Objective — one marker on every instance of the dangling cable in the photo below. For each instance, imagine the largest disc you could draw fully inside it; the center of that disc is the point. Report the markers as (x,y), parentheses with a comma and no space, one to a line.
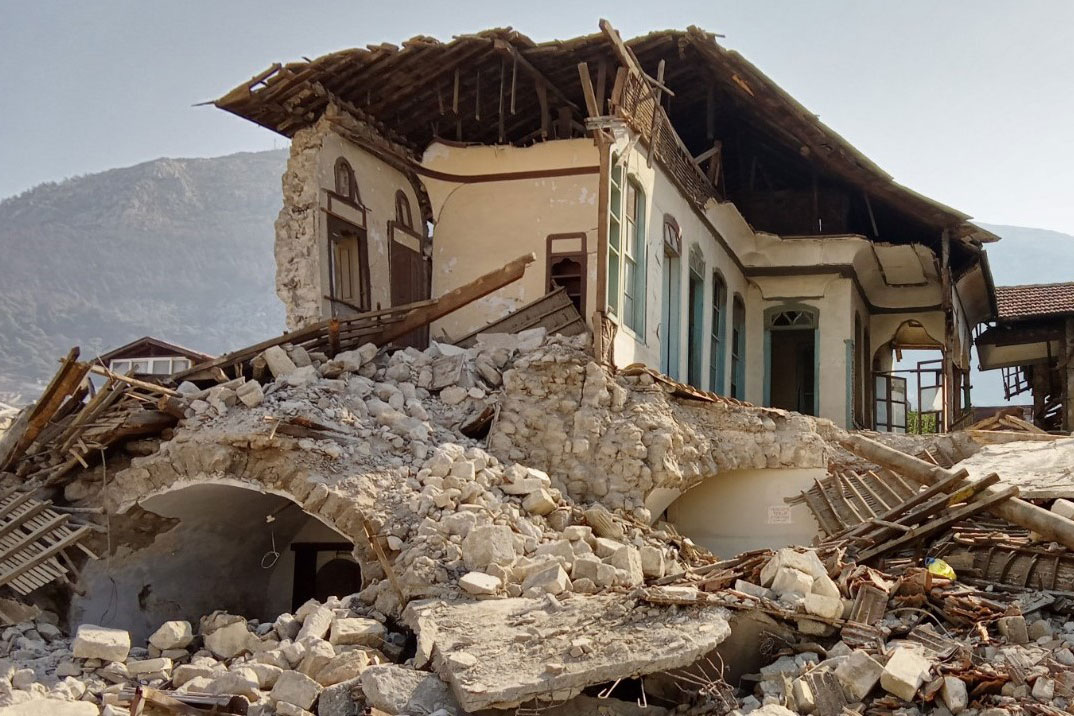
(272,556)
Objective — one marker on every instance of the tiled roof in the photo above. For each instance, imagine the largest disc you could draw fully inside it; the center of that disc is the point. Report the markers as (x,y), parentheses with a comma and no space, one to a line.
(1036,299)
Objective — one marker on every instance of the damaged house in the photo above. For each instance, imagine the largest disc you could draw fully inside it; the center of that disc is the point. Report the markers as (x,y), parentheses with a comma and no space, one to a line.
(699,219)
(576,334)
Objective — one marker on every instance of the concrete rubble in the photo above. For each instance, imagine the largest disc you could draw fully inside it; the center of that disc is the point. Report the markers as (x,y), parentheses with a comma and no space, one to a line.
(511,565)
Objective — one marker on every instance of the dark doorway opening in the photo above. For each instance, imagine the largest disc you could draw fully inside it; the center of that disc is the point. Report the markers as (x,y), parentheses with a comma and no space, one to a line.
(793,366)
(322,570)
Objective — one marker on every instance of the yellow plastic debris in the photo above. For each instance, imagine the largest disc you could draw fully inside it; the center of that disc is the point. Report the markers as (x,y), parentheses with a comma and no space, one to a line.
(940,568)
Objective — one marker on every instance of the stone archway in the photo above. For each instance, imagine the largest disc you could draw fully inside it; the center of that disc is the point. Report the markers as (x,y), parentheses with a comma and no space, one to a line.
(234,513)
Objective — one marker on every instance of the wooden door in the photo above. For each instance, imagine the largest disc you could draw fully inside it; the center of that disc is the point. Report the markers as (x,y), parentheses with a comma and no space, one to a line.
(409,278)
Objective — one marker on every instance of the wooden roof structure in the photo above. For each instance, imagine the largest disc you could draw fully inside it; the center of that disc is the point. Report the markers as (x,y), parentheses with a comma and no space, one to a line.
(498,86)
(149,347)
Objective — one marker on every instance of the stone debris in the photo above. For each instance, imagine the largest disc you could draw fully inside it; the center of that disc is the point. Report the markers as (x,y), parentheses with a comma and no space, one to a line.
(511,561)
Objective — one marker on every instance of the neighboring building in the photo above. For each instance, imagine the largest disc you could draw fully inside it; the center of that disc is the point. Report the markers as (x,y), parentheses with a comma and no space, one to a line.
(150,357)
(1032,341)
(702,220)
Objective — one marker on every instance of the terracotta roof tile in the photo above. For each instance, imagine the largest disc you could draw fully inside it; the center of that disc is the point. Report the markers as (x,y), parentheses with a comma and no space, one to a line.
(1037,299)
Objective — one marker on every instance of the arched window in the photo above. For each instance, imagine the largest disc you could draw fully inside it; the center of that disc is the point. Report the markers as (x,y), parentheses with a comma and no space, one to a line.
(716,333)
(402,211)
(346,186)
(738,348)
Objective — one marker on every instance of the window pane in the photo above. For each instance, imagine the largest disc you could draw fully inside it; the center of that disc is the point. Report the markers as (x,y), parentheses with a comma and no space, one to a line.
(121,366)
(140,366)
(614,232)
(180,364)
(613,282)
(161,366)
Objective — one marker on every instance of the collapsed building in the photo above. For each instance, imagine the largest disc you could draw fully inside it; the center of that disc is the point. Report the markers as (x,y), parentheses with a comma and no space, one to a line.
(584,480)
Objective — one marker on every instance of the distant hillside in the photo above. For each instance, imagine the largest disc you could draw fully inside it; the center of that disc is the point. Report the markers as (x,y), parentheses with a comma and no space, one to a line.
(1026,255)
(180,249)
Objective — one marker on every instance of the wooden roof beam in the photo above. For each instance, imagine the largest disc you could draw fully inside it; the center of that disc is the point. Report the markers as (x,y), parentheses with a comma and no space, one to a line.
(507,49)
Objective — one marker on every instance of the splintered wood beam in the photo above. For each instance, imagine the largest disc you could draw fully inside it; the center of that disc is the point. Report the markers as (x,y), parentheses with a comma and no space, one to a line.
(454,300)
(587,90)
(627,58)
(655,128)
(506,48)
(1051,526)
(33,420)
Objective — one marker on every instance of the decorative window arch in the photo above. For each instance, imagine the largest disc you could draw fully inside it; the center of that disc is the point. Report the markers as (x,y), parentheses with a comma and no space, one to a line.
(403,217)
(798,317)
(346,185)
(672,235)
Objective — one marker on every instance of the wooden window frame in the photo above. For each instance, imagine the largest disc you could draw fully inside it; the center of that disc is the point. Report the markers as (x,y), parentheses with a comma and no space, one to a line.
(402,203)
(717,333)
(738,348)
(634,233)
(581,255)
(352,194)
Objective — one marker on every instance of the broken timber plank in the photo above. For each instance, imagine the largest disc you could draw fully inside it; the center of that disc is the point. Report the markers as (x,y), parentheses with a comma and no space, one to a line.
(33,420)
(1049,525)
(928,528)
(454,300)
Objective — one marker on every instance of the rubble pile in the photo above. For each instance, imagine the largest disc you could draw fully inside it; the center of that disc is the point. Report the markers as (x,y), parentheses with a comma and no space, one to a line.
(498,500)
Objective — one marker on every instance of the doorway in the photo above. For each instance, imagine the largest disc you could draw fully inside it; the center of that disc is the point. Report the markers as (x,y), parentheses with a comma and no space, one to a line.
(791,380)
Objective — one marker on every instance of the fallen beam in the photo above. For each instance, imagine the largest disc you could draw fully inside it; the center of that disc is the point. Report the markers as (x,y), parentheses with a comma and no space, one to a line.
(1049,525)
(454,300)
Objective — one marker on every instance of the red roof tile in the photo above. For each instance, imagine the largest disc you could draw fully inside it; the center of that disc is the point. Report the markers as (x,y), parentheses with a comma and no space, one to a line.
(1036,299)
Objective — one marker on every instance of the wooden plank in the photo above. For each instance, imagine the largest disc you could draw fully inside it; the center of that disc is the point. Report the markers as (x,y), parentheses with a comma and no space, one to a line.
(48,553)
(454,300)
(587,90)
(26,540)
(22,434)
(506,48)
(940,522)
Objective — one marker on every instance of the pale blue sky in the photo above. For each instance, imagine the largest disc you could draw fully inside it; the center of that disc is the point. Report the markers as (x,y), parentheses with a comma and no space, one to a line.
(968,102)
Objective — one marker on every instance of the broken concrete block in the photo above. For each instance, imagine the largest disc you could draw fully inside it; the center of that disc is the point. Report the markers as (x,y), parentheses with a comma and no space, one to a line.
(858,675)
(552,580)
(299,356)
(303,376)
(753,589)
(296,688)
(603,524)
(772,710)
(826,586)
(1043,689)
(240,682)
(628,559)
(229,641)
(803,697)
(789,580)
(488,544)
(185,672)
(539,502)
(285,709)
(1040,629)
(146,667)
(357,631)
(822,606)
(337,700)
(626,642)
(905,672)
(452,395)
(279,363)
(953,694)
(267,674)
(479,583)
(250,393)
(806,561)
(97,642)
(604,547)
(318,653)
(1063,508)
(344,667)
(652,562)
(1014,629)
(172,635)
(316,624)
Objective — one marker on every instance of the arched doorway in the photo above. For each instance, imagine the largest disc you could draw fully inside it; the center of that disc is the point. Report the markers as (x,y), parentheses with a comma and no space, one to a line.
(228,547)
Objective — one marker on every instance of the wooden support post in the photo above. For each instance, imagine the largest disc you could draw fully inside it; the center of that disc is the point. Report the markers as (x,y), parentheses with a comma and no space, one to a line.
(591,105)
(949,388)
(454,300)
(546,117)
(602,86)
(658,113)
(1049,525)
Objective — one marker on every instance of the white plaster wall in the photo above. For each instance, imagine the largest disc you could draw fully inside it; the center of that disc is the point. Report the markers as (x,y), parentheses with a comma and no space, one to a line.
(377,182)
(744,510)
(663,197)
(479,226)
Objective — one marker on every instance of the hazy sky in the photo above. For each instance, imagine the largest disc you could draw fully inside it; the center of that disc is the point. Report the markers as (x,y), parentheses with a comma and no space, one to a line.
(968,102)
